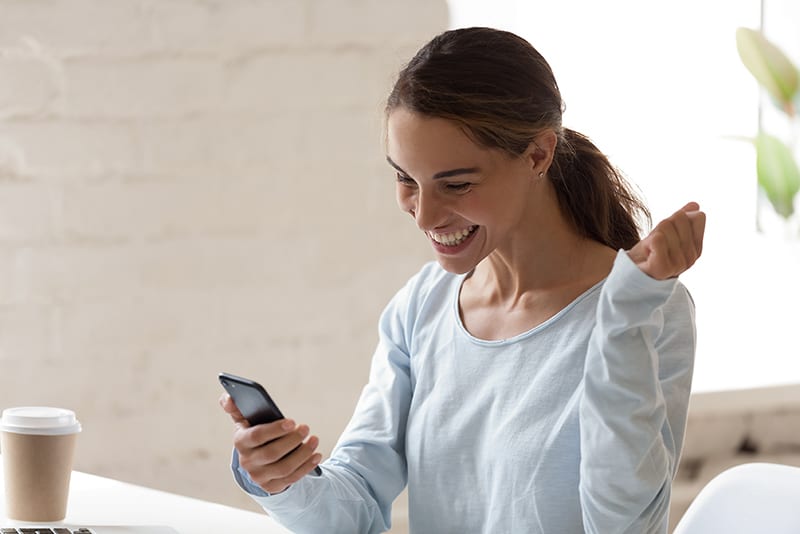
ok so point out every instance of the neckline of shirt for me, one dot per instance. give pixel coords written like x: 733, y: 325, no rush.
x: 522, y: 335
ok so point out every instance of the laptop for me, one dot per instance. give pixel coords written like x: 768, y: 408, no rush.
x: 33, y: 528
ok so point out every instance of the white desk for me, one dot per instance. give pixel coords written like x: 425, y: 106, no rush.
x: 95, y: 500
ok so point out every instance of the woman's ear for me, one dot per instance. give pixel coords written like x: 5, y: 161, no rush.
x: 541, y: 151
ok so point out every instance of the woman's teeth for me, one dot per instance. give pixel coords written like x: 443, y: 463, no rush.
x: 451, y: 240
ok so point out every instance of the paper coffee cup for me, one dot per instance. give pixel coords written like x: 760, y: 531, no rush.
x: 38, y: 447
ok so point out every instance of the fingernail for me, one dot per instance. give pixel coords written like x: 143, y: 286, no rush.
x: 287, y: 425
x: 317, y: 458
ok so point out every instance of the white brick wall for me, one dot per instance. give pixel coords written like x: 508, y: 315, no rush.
x: 194, y: 186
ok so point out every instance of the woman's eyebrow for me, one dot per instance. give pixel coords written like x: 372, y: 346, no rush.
x: 442, y: 174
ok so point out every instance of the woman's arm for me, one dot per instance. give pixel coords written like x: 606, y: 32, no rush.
x: 636, y: 393
x: 367, y: 469
x: 637, y: 381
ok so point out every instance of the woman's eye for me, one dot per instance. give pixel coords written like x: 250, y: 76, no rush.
x: 459, y: 187
x: 405, y: 180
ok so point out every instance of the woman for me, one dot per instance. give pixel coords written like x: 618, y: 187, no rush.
x: 535, y: 378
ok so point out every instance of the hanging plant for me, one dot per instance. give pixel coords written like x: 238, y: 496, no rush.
x: 776, y: 167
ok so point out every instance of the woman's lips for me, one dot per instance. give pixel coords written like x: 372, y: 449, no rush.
x: 453, y: 242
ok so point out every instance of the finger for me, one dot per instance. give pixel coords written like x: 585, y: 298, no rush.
x: 685, y: 247
x: 278, y: 476
x: 698, y: 222
x: 263, y: 473
x: 299, y: 473
x: 230, y: 408
x: 227, y: 404
x: 293, y: 459
x: 690, y: 206
x: 659, y: 263
x: 275, y: 450
x: 253, y: 437
x: 691, y: 225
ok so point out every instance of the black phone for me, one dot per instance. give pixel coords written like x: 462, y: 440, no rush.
x: 253, y: 401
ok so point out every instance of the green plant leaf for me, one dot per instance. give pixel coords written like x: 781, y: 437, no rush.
x: 770, y: 67
x: 777, y: 171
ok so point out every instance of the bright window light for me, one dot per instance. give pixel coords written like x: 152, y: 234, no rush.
x: 661, y: 90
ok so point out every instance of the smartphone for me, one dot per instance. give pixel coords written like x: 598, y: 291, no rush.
x: 253, y: 401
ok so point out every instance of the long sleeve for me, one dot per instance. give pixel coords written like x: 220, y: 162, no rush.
x: 637, y: 380
x: 367, y: 469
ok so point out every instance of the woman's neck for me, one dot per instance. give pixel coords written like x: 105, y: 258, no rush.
x: 535, y: 273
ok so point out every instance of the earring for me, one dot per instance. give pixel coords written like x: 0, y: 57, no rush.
x: 541, y: 174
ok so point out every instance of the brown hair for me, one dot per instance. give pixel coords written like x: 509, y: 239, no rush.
x: 503, y: 94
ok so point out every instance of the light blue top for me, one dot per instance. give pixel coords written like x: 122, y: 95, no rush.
x: 574, y: 426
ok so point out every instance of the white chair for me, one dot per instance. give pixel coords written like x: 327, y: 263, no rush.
x: 754, y: 498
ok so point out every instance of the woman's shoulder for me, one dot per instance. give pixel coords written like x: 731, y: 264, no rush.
x: 427, y: 293
x: 431, y: 283
x: 433, y: 272
x: 431, y: 278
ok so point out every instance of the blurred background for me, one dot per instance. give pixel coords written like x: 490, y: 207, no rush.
x: 196, y: 186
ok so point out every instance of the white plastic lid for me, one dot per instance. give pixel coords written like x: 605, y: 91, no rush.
x: 42, y: 420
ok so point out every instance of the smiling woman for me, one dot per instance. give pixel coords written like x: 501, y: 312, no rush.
x: 545, y: 357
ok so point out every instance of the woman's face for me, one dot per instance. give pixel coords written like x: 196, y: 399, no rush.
x: 468, y: 200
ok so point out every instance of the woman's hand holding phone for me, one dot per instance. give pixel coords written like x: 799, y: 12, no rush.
x: 267, y: 451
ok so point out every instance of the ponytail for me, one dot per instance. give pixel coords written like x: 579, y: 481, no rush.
x: 594, y: 195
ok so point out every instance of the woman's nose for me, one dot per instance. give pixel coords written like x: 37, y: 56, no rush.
x: 427, y: 210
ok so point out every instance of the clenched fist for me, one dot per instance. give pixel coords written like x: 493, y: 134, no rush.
x: 674, y: 244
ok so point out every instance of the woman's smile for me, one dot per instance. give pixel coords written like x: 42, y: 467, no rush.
x: 452, y: 242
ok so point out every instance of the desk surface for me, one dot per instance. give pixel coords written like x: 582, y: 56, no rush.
x: 95, y: 500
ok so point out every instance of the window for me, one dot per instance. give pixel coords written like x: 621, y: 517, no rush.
x: 661, y: 90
